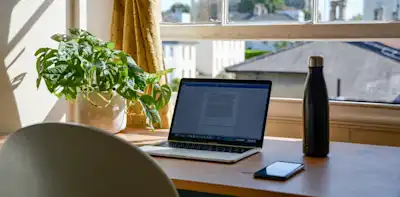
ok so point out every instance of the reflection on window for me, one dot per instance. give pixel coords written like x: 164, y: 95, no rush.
x: 191, y: 11
x: 279, y: 11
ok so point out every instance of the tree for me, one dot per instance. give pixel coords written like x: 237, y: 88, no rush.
x: 175, y: 84
x: 357, y: 17
x: 307, y: 15
x: 273, y: 5
x: 247, y: 6
x: 180, y: 7
x: 281, y: 45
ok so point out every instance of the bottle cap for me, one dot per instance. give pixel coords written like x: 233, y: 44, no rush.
x: 316, y: 61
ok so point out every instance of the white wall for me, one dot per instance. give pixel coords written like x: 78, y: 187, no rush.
x: 204, y: 57
x: 227, y: 53
x: 25, y: 27
x: 215, y: 55
x: 182, y: 57
x: 99, y: 16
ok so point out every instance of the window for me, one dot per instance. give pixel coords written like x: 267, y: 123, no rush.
x: 171, y: 51
x: 360, y: 47
x: 190, y: 52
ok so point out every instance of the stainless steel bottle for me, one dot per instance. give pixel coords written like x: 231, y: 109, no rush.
x: 316, y: 111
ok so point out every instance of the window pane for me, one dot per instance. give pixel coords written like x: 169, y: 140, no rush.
x: 358, y: 10
x: 191, y: 11
x: 354, y: 71
x: 272, y: 11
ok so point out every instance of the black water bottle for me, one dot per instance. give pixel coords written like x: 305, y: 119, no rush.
x: 316, y: 111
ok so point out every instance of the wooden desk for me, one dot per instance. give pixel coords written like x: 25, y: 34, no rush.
x: 351, y: 170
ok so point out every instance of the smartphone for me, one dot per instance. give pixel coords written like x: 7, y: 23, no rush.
x: 279, y: 170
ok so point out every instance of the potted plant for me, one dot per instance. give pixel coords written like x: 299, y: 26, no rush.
x: 102, y: 81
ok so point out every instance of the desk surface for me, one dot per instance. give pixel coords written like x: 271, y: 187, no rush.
x: 350, y: 170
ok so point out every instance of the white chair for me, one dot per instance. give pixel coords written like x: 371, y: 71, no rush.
x: 65, y: 160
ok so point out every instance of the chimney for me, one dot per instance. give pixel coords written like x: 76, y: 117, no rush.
x: 335, y: 4
x: 342, y: 9
x: 333, y: 11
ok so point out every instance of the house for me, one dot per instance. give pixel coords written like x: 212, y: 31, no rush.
x: 353, y: 70
x: 381, y: 10
x: 213, y: 56
x: 181, y: 56
x: 175, y: 17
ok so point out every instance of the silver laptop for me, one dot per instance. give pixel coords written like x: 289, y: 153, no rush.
x: 217, y: 120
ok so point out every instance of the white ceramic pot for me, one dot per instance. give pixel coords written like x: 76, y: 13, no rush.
x: 111, y: 118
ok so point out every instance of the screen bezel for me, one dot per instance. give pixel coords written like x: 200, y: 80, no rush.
x: 258, y: 143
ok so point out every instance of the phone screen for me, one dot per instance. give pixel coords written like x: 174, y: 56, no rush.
x: 279, y: 170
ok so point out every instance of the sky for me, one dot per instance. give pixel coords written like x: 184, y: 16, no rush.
x: 354, y: 7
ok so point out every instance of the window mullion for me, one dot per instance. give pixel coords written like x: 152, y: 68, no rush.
x: 314, y: 16
x: 224, y: 12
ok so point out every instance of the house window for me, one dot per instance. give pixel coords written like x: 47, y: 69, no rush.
x: 171, y: 51
x: 190, y: 52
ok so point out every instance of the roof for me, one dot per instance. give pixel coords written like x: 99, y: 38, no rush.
x: 256, y: 64
x: 273, y: 17
x: 367, y: 70
x: 179, y: 42
x: 334, y: 53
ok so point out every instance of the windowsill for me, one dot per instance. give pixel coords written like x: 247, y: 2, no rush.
x: 365, y: 123
x: 344, y: 114
x: 349, y: 114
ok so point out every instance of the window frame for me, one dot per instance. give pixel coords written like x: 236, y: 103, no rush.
x: 343, y: 113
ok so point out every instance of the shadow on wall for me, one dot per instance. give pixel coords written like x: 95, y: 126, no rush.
x: 58, y: 111
x: 9, y: 115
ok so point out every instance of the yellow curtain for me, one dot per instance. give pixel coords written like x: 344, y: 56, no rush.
x: 135, y: 30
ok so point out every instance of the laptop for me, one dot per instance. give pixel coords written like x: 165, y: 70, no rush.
x: 216, y: 120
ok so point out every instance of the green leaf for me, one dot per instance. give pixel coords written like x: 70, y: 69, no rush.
x: 41, y: 50
x: 39, y: 63
x: 133, y: 67
x: 147, y: 102
x: 38, y: 80
x: 162, y: 95
x: 58, y: 37
x: 110, y: 45
x: 56, y: 69
x: 74, y: 31
x: 164, y: 72
x: 100, y: 64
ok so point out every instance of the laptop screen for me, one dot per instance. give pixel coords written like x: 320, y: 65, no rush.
x: 221, y: 111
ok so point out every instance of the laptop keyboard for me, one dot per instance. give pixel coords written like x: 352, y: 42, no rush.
x: 206, y: 147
